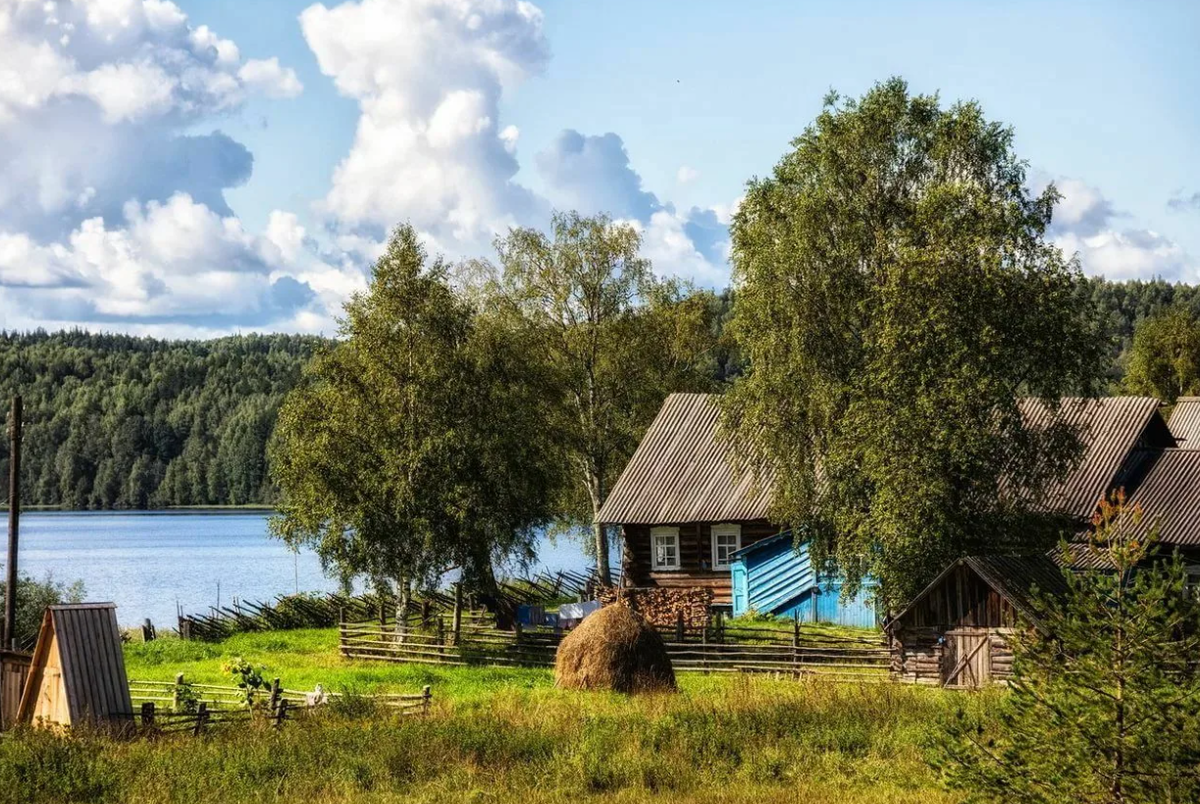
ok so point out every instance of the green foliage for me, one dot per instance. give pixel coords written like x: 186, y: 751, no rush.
x: 247, y: 677
x: 615, y: 340
x: 416, y: 444
x: 1105, y: 705
x: 896, y: 295
x: 33, y: 597
x: 1165, y: 358
x: 113, y: 421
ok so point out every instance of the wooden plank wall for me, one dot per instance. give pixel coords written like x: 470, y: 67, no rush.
x: 695, y: 547
x: 14, y: 668
x: 962, y: 599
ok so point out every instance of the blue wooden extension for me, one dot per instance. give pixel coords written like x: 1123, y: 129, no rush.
x: 773, y: 576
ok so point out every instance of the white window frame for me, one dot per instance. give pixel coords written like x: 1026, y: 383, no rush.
x: 725, y: 530
x: 655, y: 535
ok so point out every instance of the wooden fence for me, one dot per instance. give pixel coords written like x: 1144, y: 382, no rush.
x: 718, y: 647
x: 322, y: 611
x: 181, y: 706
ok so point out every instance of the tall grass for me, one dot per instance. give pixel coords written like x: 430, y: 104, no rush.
x: 739, y: 739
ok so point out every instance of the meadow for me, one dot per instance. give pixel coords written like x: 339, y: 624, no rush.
x: 502, y: 735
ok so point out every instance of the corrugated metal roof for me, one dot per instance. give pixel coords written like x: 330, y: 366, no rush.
x: 1170, y: 495
x: 1185, y: 421
x: 681, y: 472
x: 1110, y: 428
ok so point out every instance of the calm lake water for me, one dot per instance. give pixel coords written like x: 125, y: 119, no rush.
x: 148, y: 561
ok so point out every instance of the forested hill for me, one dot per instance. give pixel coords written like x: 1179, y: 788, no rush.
x: 120, y: 422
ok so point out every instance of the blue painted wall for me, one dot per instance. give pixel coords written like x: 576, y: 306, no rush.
x: 774, y: 577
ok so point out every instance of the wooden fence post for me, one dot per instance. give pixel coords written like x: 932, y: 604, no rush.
x: 679, y: 626
x: 281, y: 712
x: 458, y: 603
x: 201, y: 718
x: 148, y: 715
x: 175, y: 692
x: 427, y: 695
x: 441, y: 634
x: 796, y: 643
x: 273, y: 700
x: 721, y: 626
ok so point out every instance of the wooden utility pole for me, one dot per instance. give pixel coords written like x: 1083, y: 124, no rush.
x: 14, y: 520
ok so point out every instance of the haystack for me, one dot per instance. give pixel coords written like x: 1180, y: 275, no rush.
x: 614, y: 649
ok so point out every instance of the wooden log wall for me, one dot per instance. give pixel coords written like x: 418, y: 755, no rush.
x: 695, y: 557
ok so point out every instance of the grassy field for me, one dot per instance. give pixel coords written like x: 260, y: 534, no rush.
x: 504, y: 736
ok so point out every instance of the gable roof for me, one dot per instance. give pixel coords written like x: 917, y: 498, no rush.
x: 90, y: 661
x: 1110, y: 428
x: 1185, y: 421
x: 680, y: 471
x: 1170, y: 495
x: 1013, y: 577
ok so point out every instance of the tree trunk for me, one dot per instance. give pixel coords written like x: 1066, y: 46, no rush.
x: 402, y: 595
x: 599, y: 533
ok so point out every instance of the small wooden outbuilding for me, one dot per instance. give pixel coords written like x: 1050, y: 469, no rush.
x: 955, y: 633
x: 14, y: 667
x: 77, y: 675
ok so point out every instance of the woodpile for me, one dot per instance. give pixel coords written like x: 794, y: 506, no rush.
x: 663, y: 606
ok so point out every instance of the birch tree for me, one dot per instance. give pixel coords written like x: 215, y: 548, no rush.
x: 616, y: 338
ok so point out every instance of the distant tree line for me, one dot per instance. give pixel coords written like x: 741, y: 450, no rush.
x: 114, y: 421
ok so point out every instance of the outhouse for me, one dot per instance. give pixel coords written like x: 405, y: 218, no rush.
x: 77, y: 674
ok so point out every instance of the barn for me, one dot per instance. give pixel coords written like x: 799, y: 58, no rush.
x: 955, y: 633
x: 77, y: 674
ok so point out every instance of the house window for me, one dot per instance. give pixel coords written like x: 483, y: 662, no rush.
x: 726, y: 540
x: 665, y: 542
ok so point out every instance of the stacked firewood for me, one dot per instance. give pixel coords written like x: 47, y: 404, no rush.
x: 662, y: 606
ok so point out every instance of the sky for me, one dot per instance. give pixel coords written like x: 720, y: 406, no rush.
x: 202, y: 167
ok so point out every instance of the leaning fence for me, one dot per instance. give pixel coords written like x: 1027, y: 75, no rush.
x: 716, y: 647
x: 323, y: 611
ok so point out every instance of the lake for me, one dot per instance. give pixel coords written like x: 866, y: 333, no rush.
x: 147, y: 562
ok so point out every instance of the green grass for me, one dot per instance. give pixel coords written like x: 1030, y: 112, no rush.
x: 503, y: 735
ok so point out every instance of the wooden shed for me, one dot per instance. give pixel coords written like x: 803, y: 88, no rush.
x: 955, y: 633
x: 77, y: 675
x: 14, y: 667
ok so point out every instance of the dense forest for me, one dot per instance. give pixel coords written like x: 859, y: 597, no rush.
x: 114, y: 421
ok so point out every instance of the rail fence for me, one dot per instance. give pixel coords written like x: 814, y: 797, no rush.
x: 718, y: 647
x: 323, y: 611
x: 165, y: 707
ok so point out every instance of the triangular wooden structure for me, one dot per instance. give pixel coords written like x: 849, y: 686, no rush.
x: 78, y: 671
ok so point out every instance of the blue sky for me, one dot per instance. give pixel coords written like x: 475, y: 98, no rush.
x: 233, y: 165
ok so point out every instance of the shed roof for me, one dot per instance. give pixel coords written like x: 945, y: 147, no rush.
x: 91, y: 661
x: 1015, y: 578
x: 680, y: 472
x: 1185, y: 421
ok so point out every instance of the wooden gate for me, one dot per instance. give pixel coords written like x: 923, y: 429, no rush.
x: 967, y: 660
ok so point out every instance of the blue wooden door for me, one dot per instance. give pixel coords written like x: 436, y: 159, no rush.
x: 741, y: 591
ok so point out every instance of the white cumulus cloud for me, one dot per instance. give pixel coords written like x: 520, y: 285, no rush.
x: 428, y: 76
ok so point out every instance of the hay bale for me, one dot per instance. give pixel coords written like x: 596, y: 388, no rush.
x: 614, y: 649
